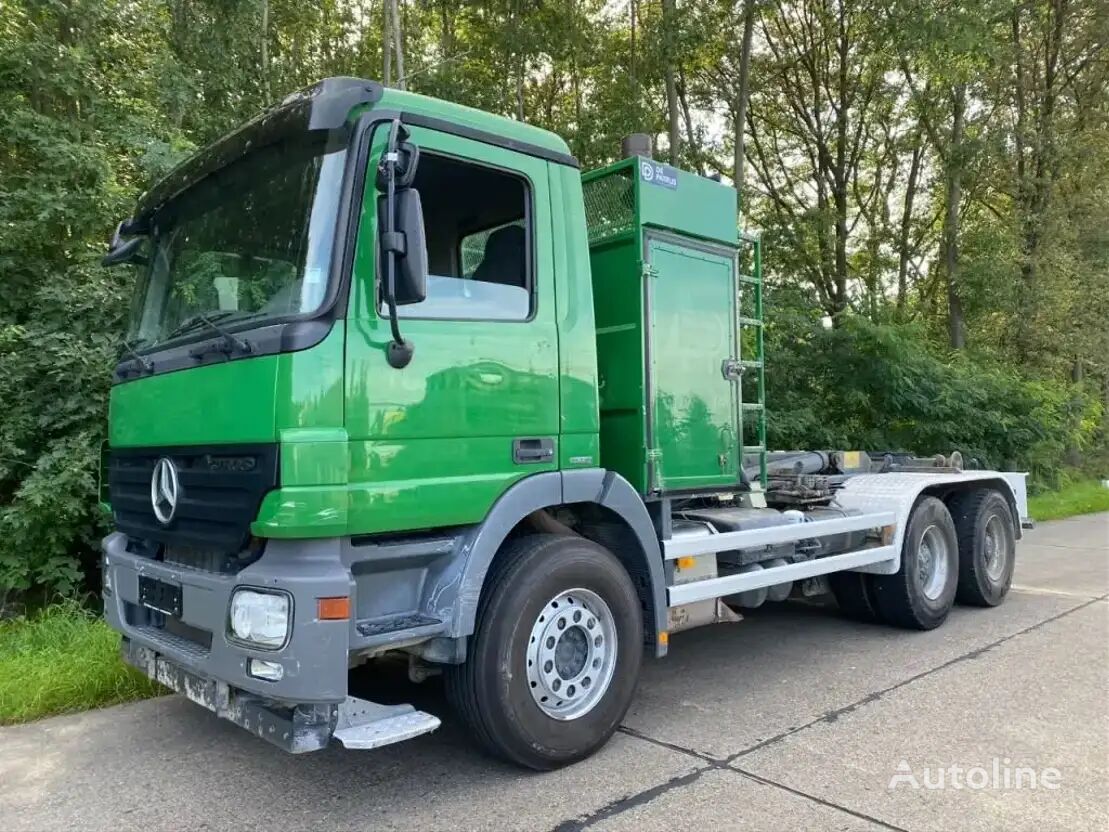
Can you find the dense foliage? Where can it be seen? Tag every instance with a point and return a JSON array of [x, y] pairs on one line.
[[933, 179], [885, 387]]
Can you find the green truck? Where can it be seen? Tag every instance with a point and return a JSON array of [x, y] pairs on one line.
[[400, 380]]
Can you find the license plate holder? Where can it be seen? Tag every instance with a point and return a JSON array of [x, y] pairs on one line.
[[160, 596]]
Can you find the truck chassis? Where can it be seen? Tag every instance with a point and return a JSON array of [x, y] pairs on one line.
[[683, 572]]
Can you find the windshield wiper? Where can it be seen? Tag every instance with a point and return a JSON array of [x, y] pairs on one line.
[[200, 319], [145, 363]]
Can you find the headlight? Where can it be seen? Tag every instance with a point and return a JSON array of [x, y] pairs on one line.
[[260, 618]]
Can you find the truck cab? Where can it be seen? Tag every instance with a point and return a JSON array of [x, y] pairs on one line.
[[399, 379]]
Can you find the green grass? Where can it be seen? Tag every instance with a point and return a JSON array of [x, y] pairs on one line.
[[63, 659], [1084, 497]]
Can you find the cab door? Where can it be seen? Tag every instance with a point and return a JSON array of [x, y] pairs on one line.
[[436, 442]]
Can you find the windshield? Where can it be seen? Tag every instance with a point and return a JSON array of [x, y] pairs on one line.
[[250, 241]]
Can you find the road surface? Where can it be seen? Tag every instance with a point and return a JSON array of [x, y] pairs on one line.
[[791, 719]]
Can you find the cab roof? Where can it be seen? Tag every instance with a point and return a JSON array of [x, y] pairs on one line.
[[328, 109], [508, 129]]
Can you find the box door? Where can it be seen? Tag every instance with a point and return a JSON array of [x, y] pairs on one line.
[[693, 418]]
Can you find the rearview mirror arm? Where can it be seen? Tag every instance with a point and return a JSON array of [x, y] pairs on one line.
[[399, 352]]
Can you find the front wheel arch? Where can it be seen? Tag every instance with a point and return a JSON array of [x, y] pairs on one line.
[[614, 500]]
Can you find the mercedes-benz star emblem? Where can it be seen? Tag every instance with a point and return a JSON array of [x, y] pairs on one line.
[[163, 490]]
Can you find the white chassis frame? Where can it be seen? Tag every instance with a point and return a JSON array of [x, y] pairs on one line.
[[883, 499]]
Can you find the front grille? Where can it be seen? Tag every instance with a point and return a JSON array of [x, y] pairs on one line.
[[212, 560], [220, 490]]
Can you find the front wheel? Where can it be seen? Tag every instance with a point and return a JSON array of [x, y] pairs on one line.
[[555, 655]]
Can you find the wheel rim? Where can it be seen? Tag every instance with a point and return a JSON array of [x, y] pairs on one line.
[[933, 563], [996, 548], [571, 656]]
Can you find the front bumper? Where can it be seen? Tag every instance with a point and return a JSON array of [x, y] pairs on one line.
[[294, 728], [314, 658]]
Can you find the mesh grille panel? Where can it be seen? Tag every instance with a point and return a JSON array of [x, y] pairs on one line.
[[609, 205]]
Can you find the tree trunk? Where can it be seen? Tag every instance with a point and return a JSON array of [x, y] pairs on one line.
[[956, 327], [631, 67], [743, 95], [386, 44], [398, 42], [904, 233], [691, 139], [839, 171], [520, 88], [265, 37], [668, 23], [1037, 165]]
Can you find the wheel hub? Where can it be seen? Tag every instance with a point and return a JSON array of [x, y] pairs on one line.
[[571, 654], [932, 563], [995, 548]]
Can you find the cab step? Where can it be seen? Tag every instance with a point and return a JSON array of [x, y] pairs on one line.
[[364, 725]]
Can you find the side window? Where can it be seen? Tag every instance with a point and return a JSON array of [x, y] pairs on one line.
[[478, 227]]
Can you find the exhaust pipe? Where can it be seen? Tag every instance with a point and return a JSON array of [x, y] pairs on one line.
[[636, 144]]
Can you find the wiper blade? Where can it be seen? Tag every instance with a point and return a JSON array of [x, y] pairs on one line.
[[144, 362], [230, 341], [200, 319]]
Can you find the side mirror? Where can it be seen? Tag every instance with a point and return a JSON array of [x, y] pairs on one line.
[[410, 243], [408, 161], [125, 252]]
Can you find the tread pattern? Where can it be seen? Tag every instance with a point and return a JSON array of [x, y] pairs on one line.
[[619, 541], [895, 595], [966, 508], [854, 596], [461, 679], [475, 688]]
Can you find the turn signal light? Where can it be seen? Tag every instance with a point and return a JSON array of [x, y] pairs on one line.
[[333, 609]]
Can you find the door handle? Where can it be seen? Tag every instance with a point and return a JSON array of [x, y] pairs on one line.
[[532, 450]]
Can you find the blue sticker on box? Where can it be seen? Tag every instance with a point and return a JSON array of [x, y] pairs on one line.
[[656, 173]]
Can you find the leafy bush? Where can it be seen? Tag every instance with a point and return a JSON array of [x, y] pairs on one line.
[[878, 387], [80, 133], [54, 380]]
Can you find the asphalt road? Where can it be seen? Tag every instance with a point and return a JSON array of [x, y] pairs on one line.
[[791, 719]]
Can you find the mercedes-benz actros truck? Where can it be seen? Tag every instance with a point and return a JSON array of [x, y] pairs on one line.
[[400, 379]]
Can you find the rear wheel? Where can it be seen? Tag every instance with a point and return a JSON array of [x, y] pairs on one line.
[[987, 546], [855, 596], [555, 656], [920, 595]]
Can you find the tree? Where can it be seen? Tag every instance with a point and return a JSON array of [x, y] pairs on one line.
[[670, 70], [942, 167], [823, 75]]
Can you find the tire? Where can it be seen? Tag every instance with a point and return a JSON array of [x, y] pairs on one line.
[[921, 594], [854, 595], [987, 546], [497, 691]]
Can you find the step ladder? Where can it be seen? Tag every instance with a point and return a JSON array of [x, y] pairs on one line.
[[752, 380]]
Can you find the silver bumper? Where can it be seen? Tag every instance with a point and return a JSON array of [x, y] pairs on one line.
[[356, 723]]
